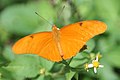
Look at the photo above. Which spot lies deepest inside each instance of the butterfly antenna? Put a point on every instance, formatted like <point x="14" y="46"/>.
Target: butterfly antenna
<point x="61" y="12"/>
<point x="44" y="18"/>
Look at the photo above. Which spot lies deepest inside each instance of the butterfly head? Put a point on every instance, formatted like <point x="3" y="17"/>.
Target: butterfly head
<point x="54" y="28"/>
<point x="56" y="33"/>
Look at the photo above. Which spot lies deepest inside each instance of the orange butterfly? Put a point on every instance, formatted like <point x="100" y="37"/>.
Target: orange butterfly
<point x="60" y="44"/>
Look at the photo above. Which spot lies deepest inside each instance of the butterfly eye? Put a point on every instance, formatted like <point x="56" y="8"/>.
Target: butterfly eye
<point x="80" y="24"/>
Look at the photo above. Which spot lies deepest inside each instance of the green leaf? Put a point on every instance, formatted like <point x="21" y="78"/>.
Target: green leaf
<point x="79" y="60"/>
<point x="24" y="66"/>
<point x="3" y="35"/>
<point x="5" y="75"/>
<point x="41" y="77"/>
<point x="2" y="60"/>
<point x="76" y="76"/>
<point x="56" y="67"/>
<point x="69" y="75"/>
<point x="48" y="77"/>
<point x="60" y="77"/>
<point x="66" y="14"/>
<point x="111" y="9"/>
<point x="105" y="45"/>
<point x="21" y="19"/>
<point x="46" y="63"/>
<point x="43" y="27"/>
<point x="106" y="73"/>
<point x="45" y="9"/>
<point x="90" y="45"/>
<point x="84" y="7"/>
<point x="113" y="57"/>
<point x="7" y="53"/>
<point x="5" y="3"/>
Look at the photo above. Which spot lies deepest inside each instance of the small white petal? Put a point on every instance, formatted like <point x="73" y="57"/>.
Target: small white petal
<point x="87" y="70"/>
<point x="95" y="70"/>
<point x="90" y="65"/>
<point x="101" y="66"/>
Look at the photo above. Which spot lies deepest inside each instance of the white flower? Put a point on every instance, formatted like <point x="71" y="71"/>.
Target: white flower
<point x="95" y="64"/>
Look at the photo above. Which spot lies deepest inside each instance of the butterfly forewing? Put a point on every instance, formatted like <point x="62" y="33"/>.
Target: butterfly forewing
<point x="75" y="36"/>
<point x="41" y="44"/>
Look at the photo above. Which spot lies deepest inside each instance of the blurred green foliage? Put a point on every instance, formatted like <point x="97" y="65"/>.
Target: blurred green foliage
<point x="18" y="18"/>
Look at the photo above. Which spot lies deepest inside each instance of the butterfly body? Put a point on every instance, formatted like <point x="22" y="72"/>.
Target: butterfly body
<point x="61" y="43"/>
<point x="57" y="37"/>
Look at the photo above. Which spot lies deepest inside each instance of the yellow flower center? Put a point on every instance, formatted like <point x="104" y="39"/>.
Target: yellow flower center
<point x="42" y="71"/>
<point x="95" y="64"/>
<point x="86" y="66"/>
